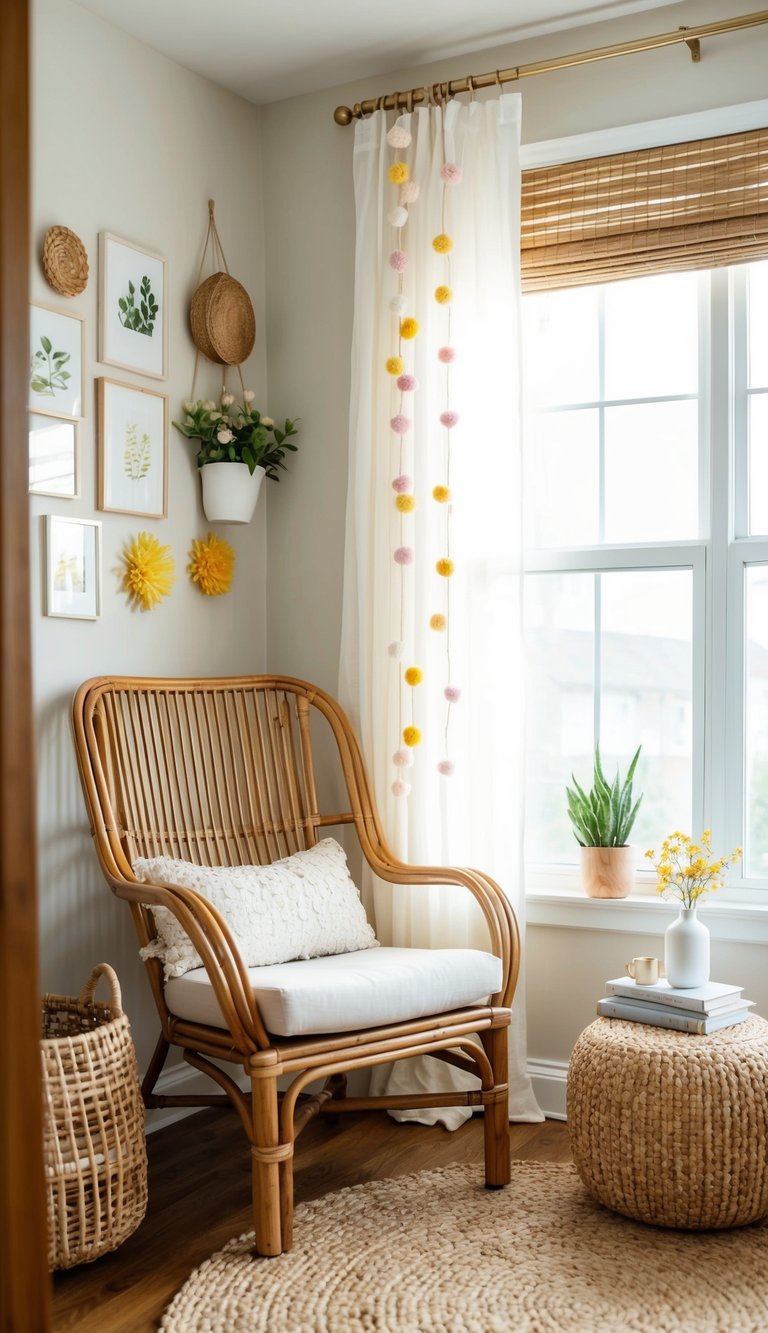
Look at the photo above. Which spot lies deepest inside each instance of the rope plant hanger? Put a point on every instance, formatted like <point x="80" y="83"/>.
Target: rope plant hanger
<point x="221" y="316"/>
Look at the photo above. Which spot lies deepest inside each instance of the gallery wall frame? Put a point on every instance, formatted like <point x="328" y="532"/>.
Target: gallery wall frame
<point x="54" y="457"/>
<point x="56" y="361"/>
<point x="133" y="302"/>
<point x="72" y="567"/>
<point x="132" y="449"/>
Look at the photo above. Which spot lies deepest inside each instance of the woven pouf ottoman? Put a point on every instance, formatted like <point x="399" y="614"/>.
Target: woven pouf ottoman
<point x="671" y="1128"/>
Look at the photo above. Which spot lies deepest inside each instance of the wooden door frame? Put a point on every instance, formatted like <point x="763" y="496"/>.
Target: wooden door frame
<point x="24" y="1280"/>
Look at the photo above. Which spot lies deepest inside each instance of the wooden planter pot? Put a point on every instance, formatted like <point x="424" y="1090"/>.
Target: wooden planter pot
<point x="607" y="872"/>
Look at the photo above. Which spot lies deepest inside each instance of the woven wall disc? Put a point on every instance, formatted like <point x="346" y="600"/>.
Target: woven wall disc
<point x="222" y="320"/>
<point x="65" y="261"/>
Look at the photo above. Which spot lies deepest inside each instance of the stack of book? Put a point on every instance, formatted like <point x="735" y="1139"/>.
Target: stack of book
<point x="705" y="1009"/>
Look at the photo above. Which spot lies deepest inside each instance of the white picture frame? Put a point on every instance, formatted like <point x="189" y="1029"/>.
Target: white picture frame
<point x="133" y="449"/>
<point x="72" y="567"/>
<point x="56" y="360"/>
<point x="54" y="457"/>
<point x="133" y="298"/>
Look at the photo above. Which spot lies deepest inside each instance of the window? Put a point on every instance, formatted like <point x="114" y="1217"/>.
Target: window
<point x="646" y="456"/>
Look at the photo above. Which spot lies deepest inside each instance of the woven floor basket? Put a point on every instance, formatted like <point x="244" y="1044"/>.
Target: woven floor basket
<point x="95" y="1151"/>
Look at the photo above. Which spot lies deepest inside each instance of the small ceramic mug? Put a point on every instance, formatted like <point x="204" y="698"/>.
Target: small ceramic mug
<point x="645" y="971"/>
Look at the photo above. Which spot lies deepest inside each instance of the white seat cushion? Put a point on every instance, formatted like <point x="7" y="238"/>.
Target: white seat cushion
<point x="368" y="988"/>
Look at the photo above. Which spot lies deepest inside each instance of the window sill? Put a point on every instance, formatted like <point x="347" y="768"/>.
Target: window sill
<point x="643" y="914"/>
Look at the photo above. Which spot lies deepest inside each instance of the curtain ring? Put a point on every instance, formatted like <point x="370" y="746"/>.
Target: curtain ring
<point x="409" y="100"/>
<point x="397" y="103"/>
<point x="471" y="86"/>
<point x="498" y="80"/>
<point x="380" y="102"/>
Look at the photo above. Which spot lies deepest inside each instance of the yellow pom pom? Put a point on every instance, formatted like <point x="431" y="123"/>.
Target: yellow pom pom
<point x="394" y="365"/>
<point x="411" y="735"/>
<point x="442" y="243"/>
<point x="414" y="676"/>
<point x="211" y="565"/>
<point x="409" y="327"/>
<point x="437" y="621"/>
<point x="445" y="567"/>
<point x="149" y="571"/>
<point x="405" y="503"/>
<point x="443" y="294"/>
<point x="441" y="494"/>
<point x="398" y="173"/>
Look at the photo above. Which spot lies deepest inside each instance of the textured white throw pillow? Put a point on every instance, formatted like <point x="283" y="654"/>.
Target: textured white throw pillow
<point x="303" y="907"/>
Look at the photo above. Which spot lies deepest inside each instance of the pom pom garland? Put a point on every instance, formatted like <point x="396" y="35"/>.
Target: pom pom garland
<point x="402" y="483"/>
<point x="407" y="383"/>
<point x="445" y="567"/>
<point x="446" y="355"/>
<point x="399" y="173"/>
<point x="400" y="788"/>
<point x="442" y="243"/>
<point x="398" y="137"/>
<point x="413" y="675"/>
<point x="402" y="758"/>
<point x="404" y="555"/>
<point x="449" y="419"/>
<point x="400" y="424"/>
<point x="446" y="767"/>
<point x="405" y="503"/>
<point x="437" y="621"/>
<point x="394" y="365"/>
<point x="451" y="174"/>
<point x="411" y="736"/>
<point x="398" y="216"/>
<point x="452" y="693"/>
<point x="399" y="304"/>
<point x="443" y="294"/>
<point x="409" y="328"/>
<point x="398" y="260"/>
<point x="409" y="192"/>
<point x="396" y="650"/>
<point x="441" y="493"/>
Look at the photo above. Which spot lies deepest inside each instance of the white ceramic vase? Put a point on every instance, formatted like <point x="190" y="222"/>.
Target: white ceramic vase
<point x="686" y="951"/>
<point x="230" y="491"/>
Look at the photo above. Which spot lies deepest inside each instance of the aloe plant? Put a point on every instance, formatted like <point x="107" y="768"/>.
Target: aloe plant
<point x="604" y="818"/>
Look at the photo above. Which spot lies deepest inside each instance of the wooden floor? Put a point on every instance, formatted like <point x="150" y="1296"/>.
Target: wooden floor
<point x="199" y="1197"/>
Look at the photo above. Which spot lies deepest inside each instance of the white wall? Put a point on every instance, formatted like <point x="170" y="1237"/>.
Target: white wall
<point x="129" y="142"/>
<point x="310" y="243"/>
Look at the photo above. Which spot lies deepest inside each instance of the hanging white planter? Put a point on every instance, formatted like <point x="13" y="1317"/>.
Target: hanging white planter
<point x="230" y="491"/>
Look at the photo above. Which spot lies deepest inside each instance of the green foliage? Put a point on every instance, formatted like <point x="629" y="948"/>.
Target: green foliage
<point x="47" y="373"/>
<point x="604" y="818"/>
<point x="137" y="456"/>
<point x="233" y="434"/>
<point x="138" y="318"/>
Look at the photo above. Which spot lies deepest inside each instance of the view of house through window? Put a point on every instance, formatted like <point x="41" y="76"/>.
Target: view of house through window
<point x="646" y="499"/>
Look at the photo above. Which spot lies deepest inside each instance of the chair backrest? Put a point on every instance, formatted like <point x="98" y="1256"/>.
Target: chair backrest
<point x="217" y="772"/>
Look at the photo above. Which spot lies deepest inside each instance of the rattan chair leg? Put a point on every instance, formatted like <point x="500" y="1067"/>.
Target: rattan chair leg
<point x="286" y="1203"/>
<point x="267" y="1155"/>
<point x="154" y="1070"/>
<point x="496" y="1110"/>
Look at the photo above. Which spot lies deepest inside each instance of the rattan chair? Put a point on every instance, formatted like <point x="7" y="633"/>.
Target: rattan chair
<point x="222" y="772"/>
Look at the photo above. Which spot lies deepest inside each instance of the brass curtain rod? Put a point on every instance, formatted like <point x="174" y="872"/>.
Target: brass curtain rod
<point x="440" y="92"/>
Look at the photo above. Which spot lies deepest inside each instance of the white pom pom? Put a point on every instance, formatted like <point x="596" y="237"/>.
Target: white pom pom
<point x="397" y="650"/>
<point x="446" y="767"/>
<point x="399" y="304"/>
<point x="398" y="217"/>
<point x="399" y="137"/>
<point x="403" y="758"/>
<point x="400" y="788"/>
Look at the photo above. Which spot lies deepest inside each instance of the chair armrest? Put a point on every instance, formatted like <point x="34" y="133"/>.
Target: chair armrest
<point x="213" y="940"/>
<point x="496" y="908"/>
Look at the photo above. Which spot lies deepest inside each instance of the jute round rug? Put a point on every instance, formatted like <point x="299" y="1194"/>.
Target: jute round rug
<point x="437" y="1252"/>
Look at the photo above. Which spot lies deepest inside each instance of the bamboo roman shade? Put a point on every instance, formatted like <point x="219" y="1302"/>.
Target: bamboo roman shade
<point x="681" y="206"/>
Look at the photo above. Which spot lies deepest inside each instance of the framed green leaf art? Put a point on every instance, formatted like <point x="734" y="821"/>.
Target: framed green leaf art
<point x="133" y="325"/>
<point x="56" y="353"/>
<point x="133" y="449"/>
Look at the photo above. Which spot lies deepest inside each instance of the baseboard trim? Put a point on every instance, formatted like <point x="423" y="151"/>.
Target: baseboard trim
<point x="549" y="1079"/>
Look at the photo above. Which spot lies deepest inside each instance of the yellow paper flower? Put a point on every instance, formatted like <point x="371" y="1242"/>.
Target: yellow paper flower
<point x="398" y="173"/>
<point x="409" y="327"/>
<point x="411" y="736"/>
<point x="394" y="365"/>
<point x="211" y="565"/>
<point x="685" y="872"/>
<point x="443" y="294"/>
<point x="445" y="567"/>
<point x="405" y="503"/>
<point x="442" y="243"/>
<point x="437" y="621"/>
<point x="414" y="676"/>
<point x="150" y="571"/>
<point x="441" y="494"/>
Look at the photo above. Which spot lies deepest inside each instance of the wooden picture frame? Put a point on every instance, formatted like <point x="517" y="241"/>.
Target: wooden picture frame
<point x="133" y="299"/>
<point x="56" y="361"/>
<point x="54" y="457"/>
<point x="72" y="567"/>
<point x="133" y="449"/>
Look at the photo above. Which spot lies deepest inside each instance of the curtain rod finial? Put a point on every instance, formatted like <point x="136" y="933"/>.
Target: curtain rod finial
<point x="342" y="115"/>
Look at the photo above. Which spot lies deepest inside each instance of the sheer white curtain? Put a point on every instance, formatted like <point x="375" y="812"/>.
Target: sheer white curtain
<point x="473" y="815"/>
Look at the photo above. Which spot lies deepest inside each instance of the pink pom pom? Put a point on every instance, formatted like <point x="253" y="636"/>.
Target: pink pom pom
<point x="400" y="424"/>
<point x="450" y="173"/>
<point x="399" y="137"/>
<point x="449" y="419"/>
<point x="402" y="483"/>
<point x="452" y="693"/>
<point x="404" y="555"/>
<point x="398" y="260"/>
<point x="397" y="649"/>
<point x="407" y="383"/>
<point x="409" y="192"/>
<point x="399" y="304"/>
<point x="446" y="355"/>
<point x="446" y="767"/>
<point x="403" y="758"/>
<point x="400" y="788"/>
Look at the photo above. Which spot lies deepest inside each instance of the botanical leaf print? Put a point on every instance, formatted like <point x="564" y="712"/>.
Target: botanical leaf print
<point x="139" y="318"/>
<point x="137" y="456"/>
<point x="47" y="372"/>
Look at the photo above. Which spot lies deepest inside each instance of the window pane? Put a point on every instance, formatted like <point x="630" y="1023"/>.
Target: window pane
<point x="642" y="672"/>
<point x="756" y="719"/>
<point x="757" y="280"/>
<point x="651" y="336"/>
<point x="561" y="479"/>
<point x="560" y="341"/>
<point x="758" y="463"/>
<point x="651" y="472"/>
